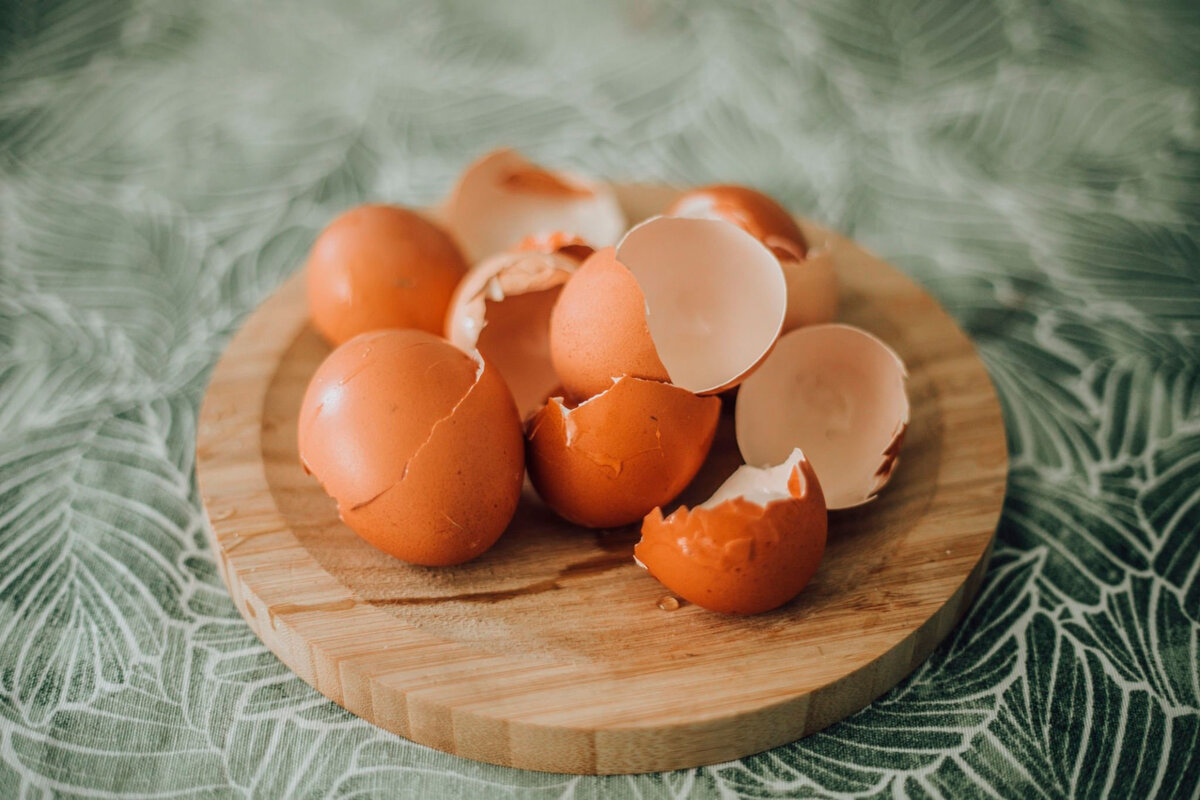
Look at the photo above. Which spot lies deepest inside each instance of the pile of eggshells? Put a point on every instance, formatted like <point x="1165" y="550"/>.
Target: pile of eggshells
<point x="592" y="356"/>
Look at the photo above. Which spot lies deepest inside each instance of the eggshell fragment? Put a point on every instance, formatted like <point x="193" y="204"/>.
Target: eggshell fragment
<point x="379" y="266"/>
<point x="836" y="392"/>
<point x="811" y="280"/>
<point x="566" y="244"/>
<point x="696" y="302"/>
<point x="502" y="308"/>
<point x="609" y="460"/>
<point x="751" y="547"/>
<point x="502" y="198"/>
<point x="418" y="442"/>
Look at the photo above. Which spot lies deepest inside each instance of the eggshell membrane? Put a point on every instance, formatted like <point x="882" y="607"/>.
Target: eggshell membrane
<point x="812" y="287"/>
<point x="715" y="298"/>
<point x="379" y="266"/>
<point x="751" y="210"/>
<point x="614" y="457"/>
<point x="503" y="308"/>
<point x="750" y="548"/>
<point x="837" y="393"/>
<point x="418" y="442"/>
<point x="598" y="329"/>
<point x="502" y="198"/>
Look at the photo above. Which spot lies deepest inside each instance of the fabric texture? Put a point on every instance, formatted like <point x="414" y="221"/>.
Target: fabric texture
<point x="165" y="164"/>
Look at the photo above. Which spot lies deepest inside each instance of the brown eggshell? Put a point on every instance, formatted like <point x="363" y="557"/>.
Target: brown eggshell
<point x="751" y="210"/>
<point x="697" y="302"/>
<point x="598" y="329"/>
<point x="614" y="457"/>
<point x="502" y="308"/>
<point x="377" y="267"/>
<point x="750" y="548"/>
<point x="502" y="197"/>
<point x="812" y="287"/>
<point x="418" y="442"/>
<point x="837" y="393"/>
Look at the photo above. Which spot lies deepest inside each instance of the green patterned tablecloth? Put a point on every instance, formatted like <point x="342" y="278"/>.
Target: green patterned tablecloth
<point x="164" y="165"/>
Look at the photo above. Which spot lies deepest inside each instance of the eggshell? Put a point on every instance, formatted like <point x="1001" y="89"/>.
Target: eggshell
<point x="753" y="546"/>
<point x="598" y="329"/>
<point x="503" y="308"/>
<point x="418" y="442"/>
<point x="811" y="279"/>
<point x="611" y="459"/>
<point x="696" y="302"/>
<point x="566" y="244"/>
<point x="378" y="266"/>
<point x="502" y="198"/>
<point x="837" y="393"/>
<point x="812" y="288"/>
<point x="754" y="212"/>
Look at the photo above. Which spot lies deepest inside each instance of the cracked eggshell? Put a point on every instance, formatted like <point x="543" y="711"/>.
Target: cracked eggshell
<point x="418" y="442"/>
<point x="809" y="271"/>
<point x="696" y="302"/>
<point x="379" y="266"/>
<point x="751" y="547"/>
<point x="836" y="392"/>
<point x="612" y="458"/>
<point x="502" y="308"/>
<point x="502" y="197"/>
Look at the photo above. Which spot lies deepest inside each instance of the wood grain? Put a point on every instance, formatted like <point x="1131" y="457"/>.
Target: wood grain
<point x="551" y="652"/>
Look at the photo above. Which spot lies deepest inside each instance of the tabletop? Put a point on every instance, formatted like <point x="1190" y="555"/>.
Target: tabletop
<point x="164" y="166"/>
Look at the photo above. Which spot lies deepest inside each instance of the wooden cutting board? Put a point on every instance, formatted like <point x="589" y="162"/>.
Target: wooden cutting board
<point x="554" y="651"/>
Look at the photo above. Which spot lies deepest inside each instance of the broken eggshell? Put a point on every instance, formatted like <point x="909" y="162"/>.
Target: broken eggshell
<point x="751" y="547"/>
<point x="379" y="266"/>
<point x="609" y="460"/>
<point x="837" y="393"/>
<point x="418" y="442"/>
<point x="811" y="280"/>
<point x="502" y="308"/>
<point x="696" y="302"/>
<point x="502" y="197"/>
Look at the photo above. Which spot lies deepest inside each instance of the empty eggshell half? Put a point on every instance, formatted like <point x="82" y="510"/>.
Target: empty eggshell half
<point x="502" y="308"/>
<point x="811" y="280"/>
<point x="612" y="458"/>
<point x="697" y="302"/>
<point x="418" y="442"/>
<point x="502" y="198"/>
<point x="836" y="392"/>
<point x="751" y="547"/>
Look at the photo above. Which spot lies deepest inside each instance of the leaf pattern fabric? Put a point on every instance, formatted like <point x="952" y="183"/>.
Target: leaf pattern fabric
<point x="165" y="164"/>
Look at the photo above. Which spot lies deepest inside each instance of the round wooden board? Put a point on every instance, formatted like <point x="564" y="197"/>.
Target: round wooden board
<point x="550" y="652"/>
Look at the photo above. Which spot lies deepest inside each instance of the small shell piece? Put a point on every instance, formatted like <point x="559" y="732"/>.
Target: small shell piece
<point x="836" y="392"/>
<point x="418" y="442"/>
<point x="502" y="308"/>
<point x="696" y="302"/>
<point x="377" y="267"/>
<point x="609" y="460"/>
<point x="753" y="546"/>
<point x="811" y="279"/>
<point x="502" y="198"/>
<point x="558" y="242"/>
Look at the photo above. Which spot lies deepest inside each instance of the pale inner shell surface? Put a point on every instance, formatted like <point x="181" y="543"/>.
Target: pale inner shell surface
<point x="715" y="297"/>
<point x="836" y="392"/>
<point x="760" y="485"/>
